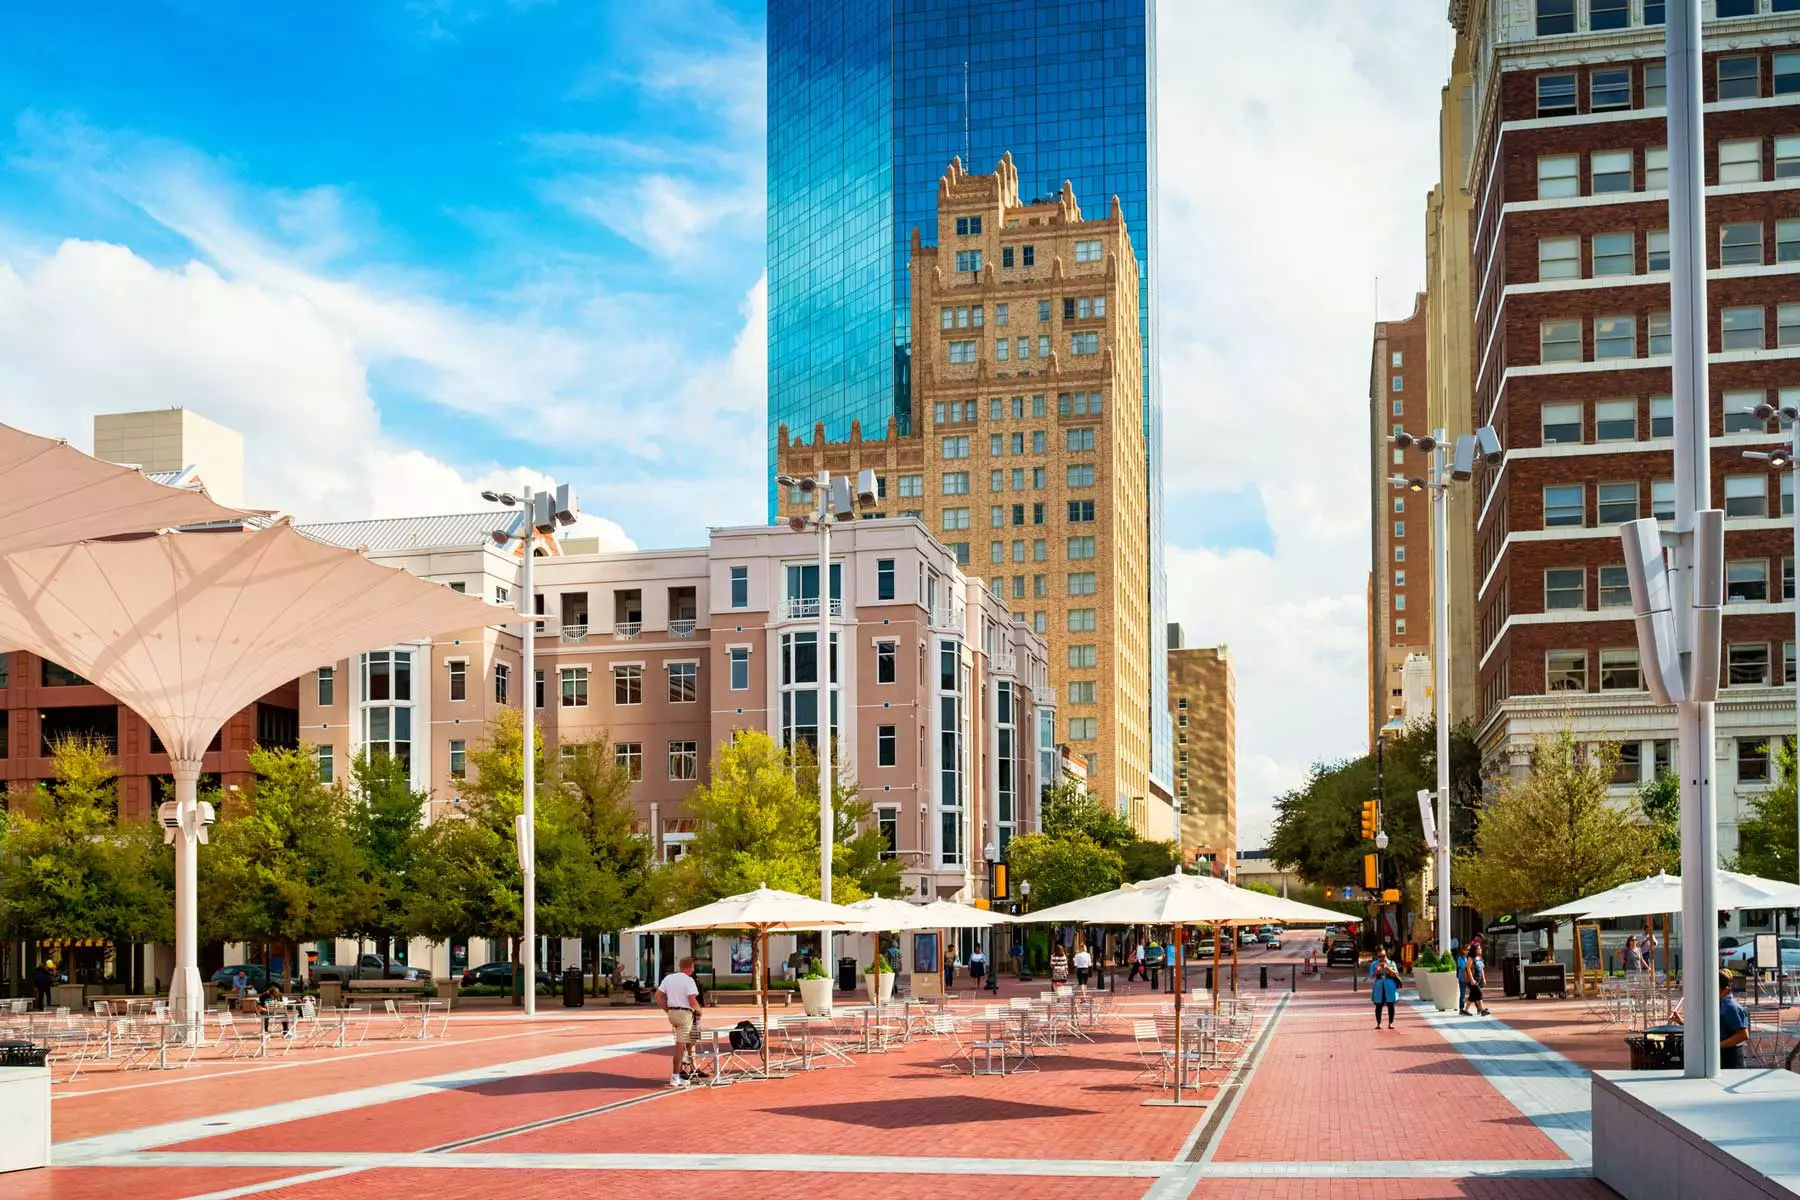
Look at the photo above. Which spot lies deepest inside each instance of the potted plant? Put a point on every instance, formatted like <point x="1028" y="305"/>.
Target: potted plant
<point x="1443" y="983"/>
<point x="815" y="990"/>
<point x="878" y="979"/>
<point x="1421" y="972"/>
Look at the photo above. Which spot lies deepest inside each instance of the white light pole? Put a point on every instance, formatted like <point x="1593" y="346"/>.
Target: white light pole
<point x="1448" y="466"/>
<point x="1676" y="600"/>
<point x="541" y="512"/>
<point x="835" y="503"/>
<point x="1788" y="461"/>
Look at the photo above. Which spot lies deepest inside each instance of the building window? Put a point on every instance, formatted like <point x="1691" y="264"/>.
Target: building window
<point x="458" y="759"/>
<point x="912" y="486"/>
<point x="1554" y="17"/>
<point x="1563" y="505"/>
<point x="628" y="685"/>
<point x="1083" y="344"/>
<point x="1740" y="161"/>
<point x="1662" y="499"/>
<point x="1753" y="760"/>
<point x="1565" y="588"/>
<point x="1083" y="583"/>
<point x="1084" y="729"/>
<point x="1559" y="176"/>
<point x="1081" y="547"/>
<point x="1559" y="341"/>
<point x="1559" y="258"/>
<point x="1787" y="66"/>
<point x="574" y="686"/>
<point x="1555" y="95"/>
<point x="1787" y="325"/>
<point x="1615" y="421"/>
<point x="1746" y="496"/>
<point x="1082" y="620"/>
<point x="630" y="755"/>
<point x="1740" y="77"/>
<point x="1609" y="171"/>
<point x="740" y="587"/>
<point x="1081" y="511"/>
<point x="1399" y="384"/>
<point x="324" y="757"/>
<point x="1611" y="14"/>
<point x="459" y="679"/>
<point x="1787" y="504"/>
<point x="1662" y="416"/>
<point x="961" y="550"/>
<point x="1081" y="476"/>
<point x="956" y="483"/>
<point x="1400" y="627"/>
<point x="968" y="260"/>
<point x="1619" y="671"/>
<point x="1656" y="78"/>
<point x="1399" y="529"/>
<point x="1088" y="251"/>
<point x="1740" y="412"/>
<point x="739" y="659"/>
<point x="1615" y="337"/>
<point x="1787" y="662"/>
<point x="1747" y="664"/>
<point x="956" y="519"/>
<point x="1565" y="671"/>
<point x="1084" y="657"/>
<point x="1656" y="179"/>
<point x="1615" y="254"/>
<point x="502" y="677"/>
<point x="968" y="226"/>
<point x="1659" y="333"/>
<point x="1610" y="88"/>
<point x="1615" y="588"/>
<point x="684" y="682"/>
<point x="684" y="761"/>
<point x="1616" y="503"/>
<point x="327" y="686"/>
<point x="1741" y="328"/>
<point x="1078" y="440"/>
<point x="1736" y="8"/>
<point x="1740" y="244"/>
<point x="1561" y="424"/>
<point x="887" y="746"/>
<point x="1747" y="581"/>
<point x="962" y="353"/>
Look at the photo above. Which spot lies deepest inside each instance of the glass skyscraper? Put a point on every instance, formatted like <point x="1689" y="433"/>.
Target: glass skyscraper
<point x="868" y="102"/>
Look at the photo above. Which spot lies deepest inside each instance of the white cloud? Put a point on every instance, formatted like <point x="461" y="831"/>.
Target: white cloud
<point x="1298" y="141"/>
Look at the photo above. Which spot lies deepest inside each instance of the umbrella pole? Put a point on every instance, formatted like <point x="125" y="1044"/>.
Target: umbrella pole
<point x="762" y="986"/>
<point x="1180" y="986"/>
<point x="1219" y="929"/>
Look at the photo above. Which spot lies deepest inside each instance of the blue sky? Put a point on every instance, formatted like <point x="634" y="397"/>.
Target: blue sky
<point x="412" y="250"/>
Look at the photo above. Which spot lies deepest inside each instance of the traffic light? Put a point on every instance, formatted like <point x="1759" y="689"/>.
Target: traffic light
<point x="1369" y="819"/>
<point x="1369" y="879"/>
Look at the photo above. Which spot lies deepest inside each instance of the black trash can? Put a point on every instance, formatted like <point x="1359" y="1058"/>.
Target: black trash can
<point x="574" y="995"/>
<point x="846" y="980"/>
<point x="23" y="1054"/>
<point x="1509" y="976"/>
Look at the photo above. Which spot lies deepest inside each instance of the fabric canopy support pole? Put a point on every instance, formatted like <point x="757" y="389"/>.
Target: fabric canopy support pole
<point x="762" y="987"/>
<point x="187" y="998"/>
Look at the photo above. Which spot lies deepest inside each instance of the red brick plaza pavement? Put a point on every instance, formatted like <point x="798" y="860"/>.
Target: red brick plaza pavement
<point x="576" y="1104"/>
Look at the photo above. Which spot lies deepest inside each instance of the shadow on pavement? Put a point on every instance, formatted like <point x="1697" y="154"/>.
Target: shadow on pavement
<point x="934" y="1110"/>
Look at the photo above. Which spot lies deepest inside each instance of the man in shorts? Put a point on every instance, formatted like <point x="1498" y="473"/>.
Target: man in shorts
<point x="679" y="996"/>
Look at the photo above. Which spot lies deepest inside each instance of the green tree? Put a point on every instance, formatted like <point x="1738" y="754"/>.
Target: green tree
<point x="1660" y="801"/>
<point x="1063" y="868"/>
<point x="1257" y="885"/>
<point x="1318" y="826"/>
<point x="1766" y="840"/>
<point x="283" y="866"/>
<point x="1556" y="835"/>
<point x="758" y="821"/>
<point x="1070" y="810"/>
<point x="1149" y="860"/>
<point x="69" y="871"/>
<point x="386" y="818"/>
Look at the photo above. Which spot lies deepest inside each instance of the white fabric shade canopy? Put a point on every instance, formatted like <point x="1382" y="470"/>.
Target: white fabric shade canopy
<point x="759" y="912"/>
<point x="52" y="494"/>
<point x="1662" y="894"/>
<point x="1183" y="899"/>
<point x="1578" y="908"/>
<point x="188" y="628"/>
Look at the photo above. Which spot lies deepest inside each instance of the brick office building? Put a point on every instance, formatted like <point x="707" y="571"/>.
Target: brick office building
<point x="1571" y="299"/>
<point x="1203" y="705"/>
<point x="1400" y="604"/>
<point x="1027" y="456"/>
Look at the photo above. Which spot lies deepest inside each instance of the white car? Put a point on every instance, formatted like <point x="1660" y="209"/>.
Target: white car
<point x="1742" y="958"/>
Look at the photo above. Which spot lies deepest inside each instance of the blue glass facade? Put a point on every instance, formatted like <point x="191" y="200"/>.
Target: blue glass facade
<point x="868" y="102"/>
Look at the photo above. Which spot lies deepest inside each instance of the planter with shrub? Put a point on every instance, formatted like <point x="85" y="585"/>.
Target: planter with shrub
<point x="878" y="981"/>
<point x="815" y="991"/>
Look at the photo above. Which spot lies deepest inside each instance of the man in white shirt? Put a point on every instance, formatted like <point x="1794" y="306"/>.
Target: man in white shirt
<point x="679" y="996"/>
<point x="1084" y="963"/>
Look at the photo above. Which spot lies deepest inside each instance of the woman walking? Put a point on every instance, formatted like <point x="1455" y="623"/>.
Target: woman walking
<point x="1475" y="974"/>
<point x="1384" y="986"/>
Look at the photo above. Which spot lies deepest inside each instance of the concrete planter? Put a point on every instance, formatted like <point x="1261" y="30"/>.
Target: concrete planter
<point x="446" y="991"/>
<point x="1443" y="990"/>
<point x="72" y="996"/>
<point x="815" y="995"/>
<point x="886" y="985"/>
<point x="1421" y="982"/>
<point x="25" y="1115"/>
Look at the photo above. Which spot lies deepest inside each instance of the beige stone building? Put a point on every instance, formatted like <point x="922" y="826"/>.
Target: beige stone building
<point x="1203" y="706"/>
<point x="1026" y="456"/>
<point x="175" y="441"/>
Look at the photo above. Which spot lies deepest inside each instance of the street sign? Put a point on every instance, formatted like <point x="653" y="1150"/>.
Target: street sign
<point x="1349" y="893"/>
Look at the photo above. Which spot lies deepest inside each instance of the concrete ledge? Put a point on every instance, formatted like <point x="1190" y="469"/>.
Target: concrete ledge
<point x="1660" y="1136"/>
<point x="25" y="1117"/>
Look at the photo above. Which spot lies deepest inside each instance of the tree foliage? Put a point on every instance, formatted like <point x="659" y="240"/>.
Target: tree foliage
<point x="1064" y="868"/>
<point x="758" y="822"/>
<point x="1556" y="835"/>
<point x="1149" y="860"/>
<point x="1766" y="838"/>
<point x="1318" y="827"/>
<point x="1660" y="801"/>
<point x="69" y="871"/>
<point x="1069" y="810"/>
<point x="386" y="819"/>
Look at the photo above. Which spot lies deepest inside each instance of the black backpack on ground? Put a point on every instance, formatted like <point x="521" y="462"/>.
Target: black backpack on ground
<point x="744" y="1036"/>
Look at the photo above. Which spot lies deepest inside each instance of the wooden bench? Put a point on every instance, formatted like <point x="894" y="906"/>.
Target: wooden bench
<point x="730" y="998"/>
<point x="380" y="989"/>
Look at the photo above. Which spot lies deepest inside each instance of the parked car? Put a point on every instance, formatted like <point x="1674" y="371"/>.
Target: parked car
<point x="1271" y="941"/>
<point x="368" y="966"/>
<point x="497" y="974"/>
<point x="1341" y="954"/>
<point x="1246" y="937"/>
<point x="1742" y="958"/>
<point x="255" y="976"/>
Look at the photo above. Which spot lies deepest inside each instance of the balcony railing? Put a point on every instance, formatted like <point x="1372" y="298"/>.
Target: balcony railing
<point x="681" y="627"/>
<point x="575" y="634"/>
<point x="1003" y="663"/>
<point x="796" y="607"/>
<point x="627" y="631"/>
<point x="947" y="616"/>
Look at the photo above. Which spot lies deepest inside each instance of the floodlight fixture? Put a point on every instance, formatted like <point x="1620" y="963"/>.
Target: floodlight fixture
<point x="1763" y="412"/>
<point x="1402" y="440"/>
<point x="797" y="523"/>
<point x="1462" y="459"/>
<point x="1492" y="452"/>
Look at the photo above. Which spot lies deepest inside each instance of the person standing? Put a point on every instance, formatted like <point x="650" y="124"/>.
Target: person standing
<point x="1059" y="964"/>
<point x="1477" y="967"/>
<point x="1634" y="958"/>
<point x="1384" y="986"/>
<point x="1460" y="958"/>
<point x="1137" y="964"/>
<point x="1084" y="966"/>
<point x="40" y="981"/>
<point x="240" y="988"/>
<point x="1154" y="959"/>
<point x="977" y="966"/>
<point x="679" y="997"/>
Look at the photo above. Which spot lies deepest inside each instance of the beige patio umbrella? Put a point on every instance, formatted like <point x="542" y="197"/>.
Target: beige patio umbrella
<point x="759" y="912"/>
<point x="883" y="915"/>
<point x="1180" y="900"/>
<point x="188" y="628"/>
<point x="52" y="494"/>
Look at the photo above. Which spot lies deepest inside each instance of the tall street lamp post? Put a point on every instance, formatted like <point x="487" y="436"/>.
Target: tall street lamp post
<point x="542" y="512"/>
<point x="835" y="502"/>
<point x="1788" y="461"/>
<point x="1448" y="466"/>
